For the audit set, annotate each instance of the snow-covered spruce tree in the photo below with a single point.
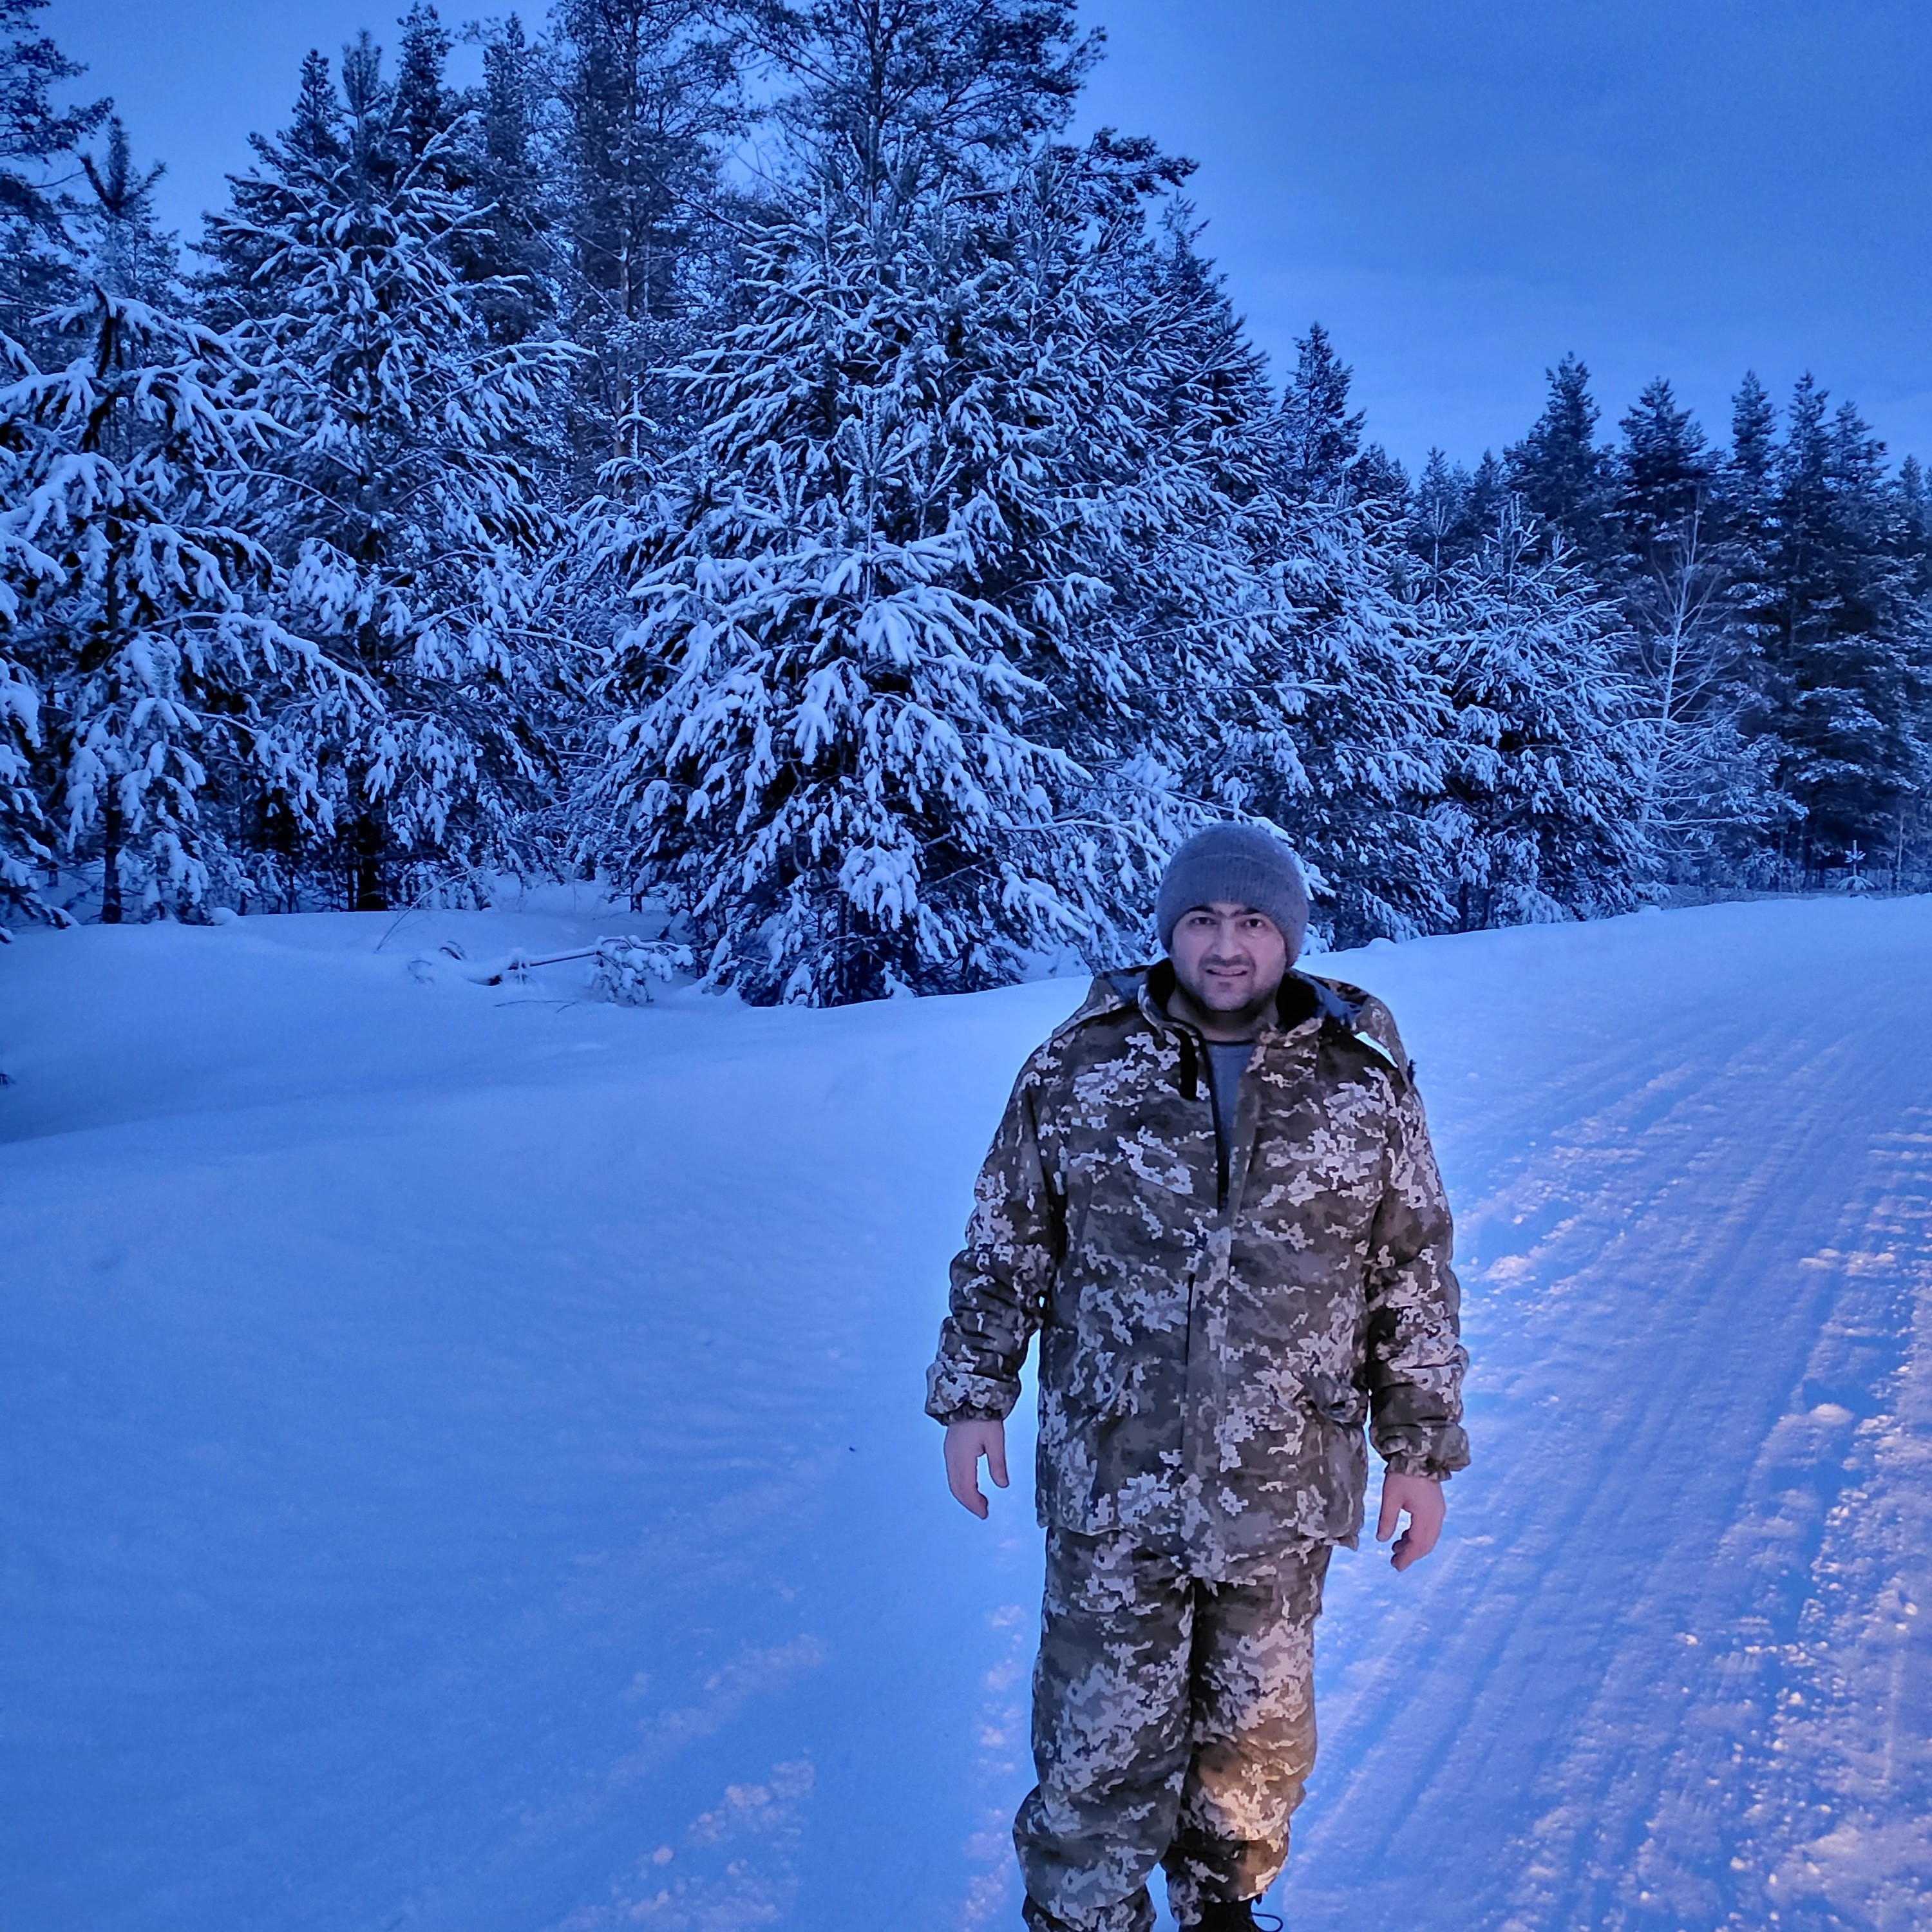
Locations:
(510, 245)
(180, 711)
(37, 270)
(829, 758)
(1321, 440)
(1846, 663)
(1337, 734)
(407, 502)
(120, 249)
(1544, 810)
(1124, 549)
(906, 94)
(1437, 509)
(1565, 480)
(944, 403)
(1222, 642)
(26, 837)
(38, 142)
(127, 252)
(1450, 510)
(1314, 704)
(647, 93)
(1663, 474)
(1708, 800)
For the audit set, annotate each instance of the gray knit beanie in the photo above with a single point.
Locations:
(1242, 864)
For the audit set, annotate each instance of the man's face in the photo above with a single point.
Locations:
(1230, 959)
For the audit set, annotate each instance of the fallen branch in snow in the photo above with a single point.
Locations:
(626, 966)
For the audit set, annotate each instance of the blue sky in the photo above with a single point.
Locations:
(1460, 190)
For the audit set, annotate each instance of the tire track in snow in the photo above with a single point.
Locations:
(1842, 1792)
(1561, 1727)
(1531, 1631)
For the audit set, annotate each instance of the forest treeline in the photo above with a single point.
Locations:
(752, 454)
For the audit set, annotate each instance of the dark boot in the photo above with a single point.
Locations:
(1238, 1916)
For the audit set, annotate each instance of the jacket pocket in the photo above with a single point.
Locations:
(1341, 1402)
(1073, 1406)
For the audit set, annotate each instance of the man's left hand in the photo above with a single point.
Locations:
(1419, 1498)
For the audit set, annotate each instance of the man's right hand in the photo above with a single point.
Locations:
(966, 1442)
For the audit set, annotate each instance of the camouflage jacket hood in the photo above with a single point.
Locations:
(1207, 1364)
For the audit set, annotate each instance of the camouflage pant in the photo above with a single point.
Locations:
(1174, 1723)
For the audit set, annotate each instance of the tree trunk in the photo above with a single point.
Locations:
(368, 888)
(110, 860)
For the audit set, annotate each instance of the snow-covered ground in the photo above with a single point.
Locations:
(464, 1469)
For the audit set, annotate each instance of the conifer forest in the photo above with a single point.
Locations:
(754, 455)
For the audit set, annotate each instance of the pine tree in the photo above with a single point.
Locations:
(422, 110)
(1544, 808)
(26, 839)
(1308, 697)
(1688, 551)
(38, 140)
(1303, 695)
(1743, 504)
(1322, 440)
(1489, 491)
(879, 571)
(1559, 473)
(1379, 478)
(127, 254)
(407, 501)
(649, 92)
(27, 846)
(1662, 473)
(1158, 474)
(1847, 696)
(1913, 503)
(509, 246)
(1450, 511)
(1037, 393)
(172, 687)
(1747, 472)
(34, 134)
(909, 93)
(315, 126)
(1436, 514)
(37, 271)
(1337, 734)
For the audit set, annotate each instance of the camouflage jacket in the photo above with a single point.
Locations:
(1207, 1365)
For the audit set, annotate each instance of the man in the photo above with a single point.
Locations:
(1213, 1194)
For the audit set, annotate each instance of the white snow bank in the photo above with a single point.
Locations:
(464, 1467)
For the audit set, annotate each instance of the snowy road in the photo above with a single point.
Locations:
(462, 1469)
